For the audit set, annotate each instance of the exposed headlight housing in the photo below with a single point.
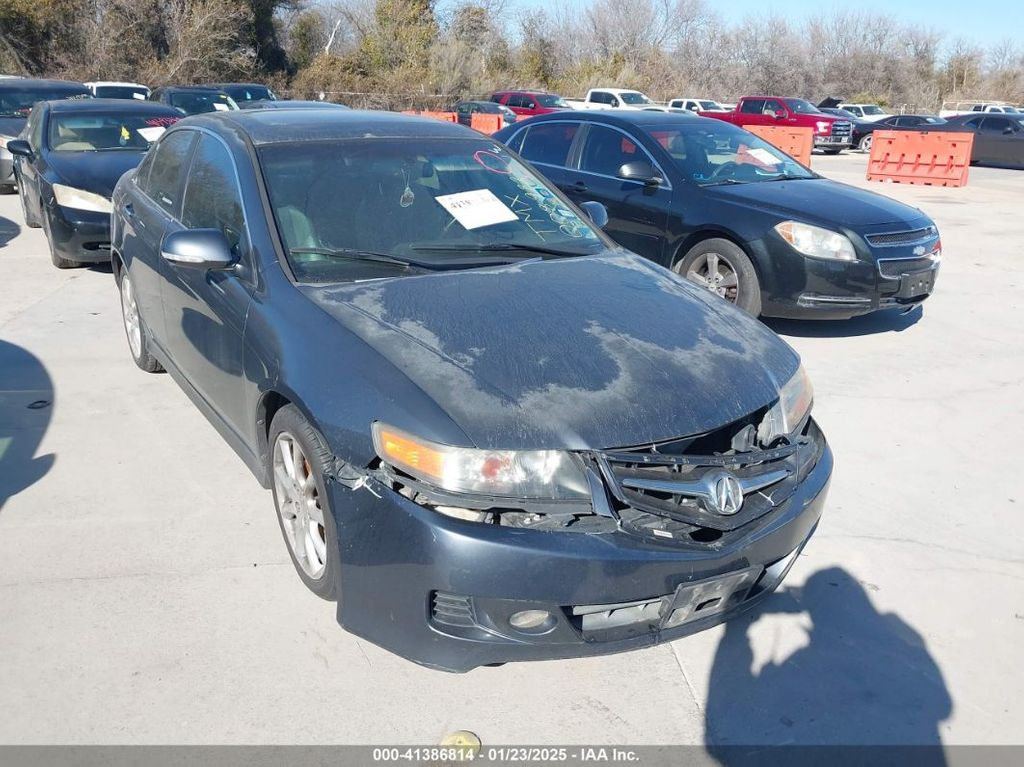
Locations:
(816, 242)
(788, 413)
(513, 474)
(79, 199)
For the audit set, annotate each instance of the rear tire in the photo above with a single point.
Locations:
(722, 267)
(832, 151)
(297, 460)
(8, 188)
(134, 327)
(55, 258)
(865, 143)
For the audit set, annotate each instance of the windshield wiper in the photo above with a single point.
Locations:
(789, 177)
(498, 247)
(724, 181)
(354, 254)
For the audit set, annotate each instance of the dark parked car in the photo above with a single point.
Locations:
(466, 109)
(362, 303)
(998, 138)
(17, 95)
(289, 104)
(734, 214)
(246, 92)
(194, 100)
(863, 129)
(70, 155)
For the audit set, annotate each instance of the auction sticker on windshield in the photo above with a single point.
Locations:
(476, 208)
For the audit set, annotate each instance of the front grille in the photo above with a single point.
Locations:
(843, 129)
(894, 268)
(901, 238)
(452, 609)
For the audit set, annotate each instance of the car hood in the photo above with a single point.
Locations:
(588, 352)
(93, 171)
(819, 200)
(10, 127)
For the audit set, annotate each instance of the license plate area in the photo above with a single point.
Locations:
(703, 599)
(918, 284)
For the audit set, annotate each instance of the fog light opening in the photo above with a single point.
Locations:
(532, 621)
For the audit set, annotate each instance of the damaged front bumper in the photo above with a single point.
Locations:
(442, 591)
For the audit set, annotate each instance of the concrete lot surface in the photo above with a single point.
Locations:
(146, 595)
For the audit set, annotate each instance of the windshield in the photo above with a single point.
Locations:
(712, 155)
(17, 102)
(106, 132)
(250, 93)
(871, 109)
(548, 100)
(801, 106)
(121, 92)
(633, 98)
(350, 209)
(193, 103)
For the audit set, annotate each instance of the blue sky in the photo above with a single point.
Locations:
(985, 22)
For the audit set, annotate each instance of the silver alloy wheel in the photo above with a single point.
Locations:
(865, 143)
(298, 504)
(130, 312)
(716, 273)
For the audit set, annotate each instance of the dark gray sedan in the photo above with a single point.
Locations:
(490, 434)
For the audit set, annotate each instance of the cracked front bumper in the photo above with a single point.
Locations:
(440, 591)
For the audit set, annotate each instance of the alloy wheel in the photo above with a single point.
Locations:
(130, 312)
(298, 504)
(716, 273)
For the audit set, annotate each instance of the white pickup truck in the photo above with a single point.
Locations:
(611, 98)
(953, 108)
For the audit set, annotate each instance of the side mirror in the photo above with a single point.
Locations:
(198, 249)
(780, 114)
(1007, 131)
(640, 170)
(597, 213)
(20, 148)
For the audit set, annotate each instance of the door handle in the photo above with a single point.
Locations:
(579, 186)
(129, 210)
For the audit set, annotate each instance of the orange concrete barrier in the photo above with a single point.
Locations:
(450, 117)
(485, 123)
(796, 142)
(934, 158)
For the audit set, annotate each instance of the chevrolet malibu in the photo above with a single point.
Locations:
(490, 434)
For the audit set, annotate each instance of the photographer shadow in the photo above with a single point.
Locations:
(863, 678)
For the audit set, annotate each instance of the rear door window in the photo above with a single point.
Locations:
(752, 106)
(549, 143)
(170, 161)
(995, 125)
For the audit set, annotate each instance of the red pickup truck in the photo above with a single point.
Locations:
(831, 134)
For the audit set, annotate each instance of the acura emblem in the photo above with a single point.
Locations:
(724, 494)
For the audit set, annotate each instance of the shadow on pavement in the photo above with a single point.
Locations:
(863, 678)
(8, 231)
(891, 321)
(26, 404)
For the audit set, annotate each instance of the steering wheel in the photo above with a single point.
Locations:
(721, 169)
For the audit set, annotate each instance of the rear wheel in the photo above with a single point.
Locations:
(832, 151)
(134, 327)
(8, 188)
(865, 143)
(723, 268)
(298, 456)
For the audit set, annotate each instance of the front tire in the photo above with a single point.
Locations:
(298, 458)
(832, 151)
(865, 143)
(722, 267)
(55, 258)
(134, 327)
(30, 222)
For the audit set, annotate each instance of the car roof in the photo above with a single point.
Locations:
(118, 83)
(192, 88)
(31, 82)
(622, 118)
(274, 126)
(124, 106)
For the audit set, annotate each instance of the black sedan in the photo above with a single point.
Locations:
(734, 214)
(998, 138)
(17, 95)
(69, 157)
(246, 93)
(194, 99)
(465, 110)
(362, 303)
(863, 130)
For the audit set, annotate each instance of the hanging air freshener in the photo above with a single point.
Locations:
(407, 198)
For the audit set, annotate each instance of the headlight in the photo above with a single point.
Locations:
(816, 242)
(794, 403)
(527, 474)
(823, 126)
(69, 197)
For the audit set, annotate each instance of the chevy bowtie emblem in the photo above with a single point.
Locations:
(919, 250)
